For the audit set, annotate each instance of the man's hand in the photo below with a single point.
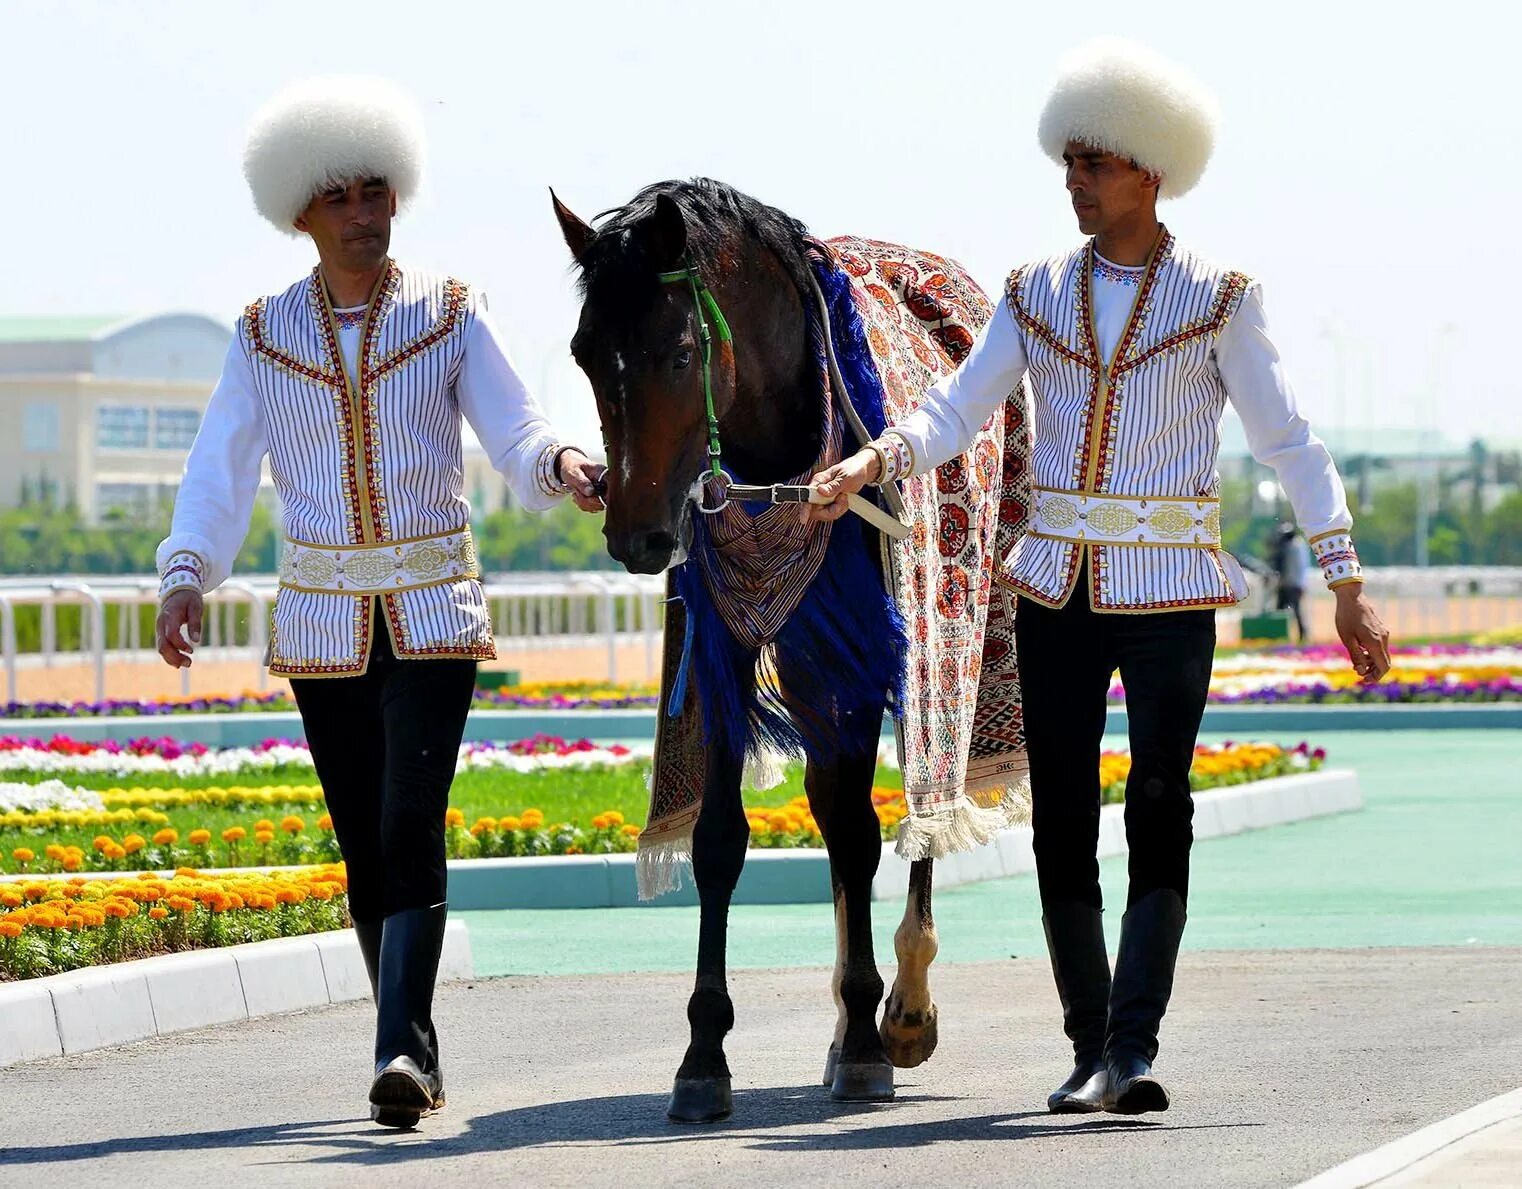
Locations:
(835, 483)
(1363, 633)
(583, 478)
(178, 629)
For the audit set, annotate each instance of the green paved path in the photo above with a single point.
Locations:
(1433, 860)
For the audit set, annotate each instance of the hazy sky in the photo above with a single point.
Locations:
(1368, 171)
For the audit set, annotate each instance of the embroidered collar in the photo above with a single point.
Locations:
(1118, 274)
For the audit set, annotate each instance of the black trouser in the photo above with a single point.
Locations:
(385, 745)
(1067, 657)
(1289, 600)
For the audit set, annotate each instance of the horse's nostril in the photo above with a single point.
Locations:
(657, 544)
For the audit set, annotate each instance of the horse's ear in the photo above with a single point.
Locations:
(578, 234)
(666, 232)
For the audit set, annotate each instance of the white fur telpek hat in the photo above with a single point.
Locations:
(324, 131)
(1125, 99)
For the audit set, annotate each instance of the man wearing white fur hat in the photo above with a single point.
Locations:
(353, 382)
(1132, 346)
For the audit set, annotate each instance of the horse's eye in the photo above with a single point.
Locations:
(683, 359)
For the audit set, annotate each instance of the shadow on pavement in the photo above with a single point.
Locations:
(130, 1145)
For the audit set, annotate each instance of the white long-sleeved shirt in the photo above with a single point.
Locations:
(362, 452)
(1201, 339)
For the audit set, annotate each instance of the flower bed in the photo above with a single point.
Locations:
(498, 811)
(1321, 674)
(52, 925)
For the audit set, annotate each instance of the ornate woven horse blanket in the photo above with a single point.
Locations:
(843, 618)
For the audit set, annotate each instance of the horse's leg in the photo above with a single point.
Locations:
(832, 1058)
(702, 1092)
(840, 794)
(909, 1017)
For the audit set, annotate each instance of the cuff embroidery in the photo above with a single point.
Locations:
(544, 470)
(897, 457)
(1337, 558)
(182, 570)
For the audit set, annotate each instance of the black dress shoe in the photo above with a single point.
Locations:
(1083, 1092)
(402, 1093)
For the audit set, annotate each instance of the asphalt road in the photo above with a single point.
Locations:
(1282, 1063)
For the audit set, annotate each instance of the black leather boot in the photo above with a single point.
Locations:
(408, 1080)
(369, 934)
(1149, 939)
(1076, 941)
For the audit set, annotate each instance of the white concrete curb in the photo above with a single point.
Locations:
(109, 1005)
(1216, 813)
(1410, 1150)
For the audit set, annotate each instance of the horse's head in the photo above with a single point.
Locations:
(638, 343)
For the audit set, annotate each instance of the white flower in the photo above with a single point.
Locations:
(50, 794)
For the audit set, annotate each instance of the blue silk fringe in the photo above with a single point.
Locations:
(841, 655)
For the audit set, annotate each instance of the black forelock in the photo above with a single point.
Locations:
(714, 213)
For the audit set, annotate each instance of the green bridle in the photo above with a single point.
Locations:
(706, 307)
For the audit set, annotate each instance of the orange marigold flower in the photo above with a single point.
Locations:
(506, 824)
(601, 822)
(72, 862)
(325, 822)
(234, 834)
(166, 837)
(263, 823)
(10, 929)
(101, 842)
(22, 855)
(631, 830)
(10, 898)
(199, 837)
(454, 817)
(133, 843)
(614, 817)
(292, 824)
(158, 912)
(264, 837)
(180, 903)
(53, 851)
(533, 819)
(115, 851)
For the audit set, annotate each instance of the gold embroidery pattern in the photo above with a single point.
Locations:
(374, 569)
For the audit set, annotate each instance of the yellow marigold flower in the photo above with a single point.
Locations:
(454, 817)
(22, 855)
(234, 834)
(614, 817)
(166, 837)
(533, 818)
(631, 830)
(509, 823)
(158, 912)
(264, 837)
(325, 822)
(292, 824)
(199, 837)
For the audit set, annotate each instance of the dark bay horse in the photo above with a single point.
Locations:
(640, 343)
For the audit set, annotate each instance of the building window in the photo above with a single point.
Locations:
(39, 429)
(121, 427)
(132, 501)
(175, 429)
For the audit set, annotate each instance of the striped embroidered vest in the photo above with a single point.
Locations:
(1124, 465)
(370, 475)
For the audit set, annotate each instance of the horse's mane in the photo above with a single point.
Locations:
(714, 213)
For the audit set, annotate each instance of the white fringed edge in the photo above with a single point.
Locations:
(764, 771)
(658, 868)
(966, 825)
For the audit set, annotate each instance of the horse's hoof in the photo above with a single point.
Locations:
(831, 1061)
(910, 1038)
(862, 1083)
(700, 1100)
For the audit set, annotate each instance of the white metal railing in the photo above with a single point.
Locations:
(596, 609)
(529, 611)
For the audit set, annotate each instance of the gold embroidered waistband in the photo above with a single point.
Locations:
(378, 569)
(1102, 517)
